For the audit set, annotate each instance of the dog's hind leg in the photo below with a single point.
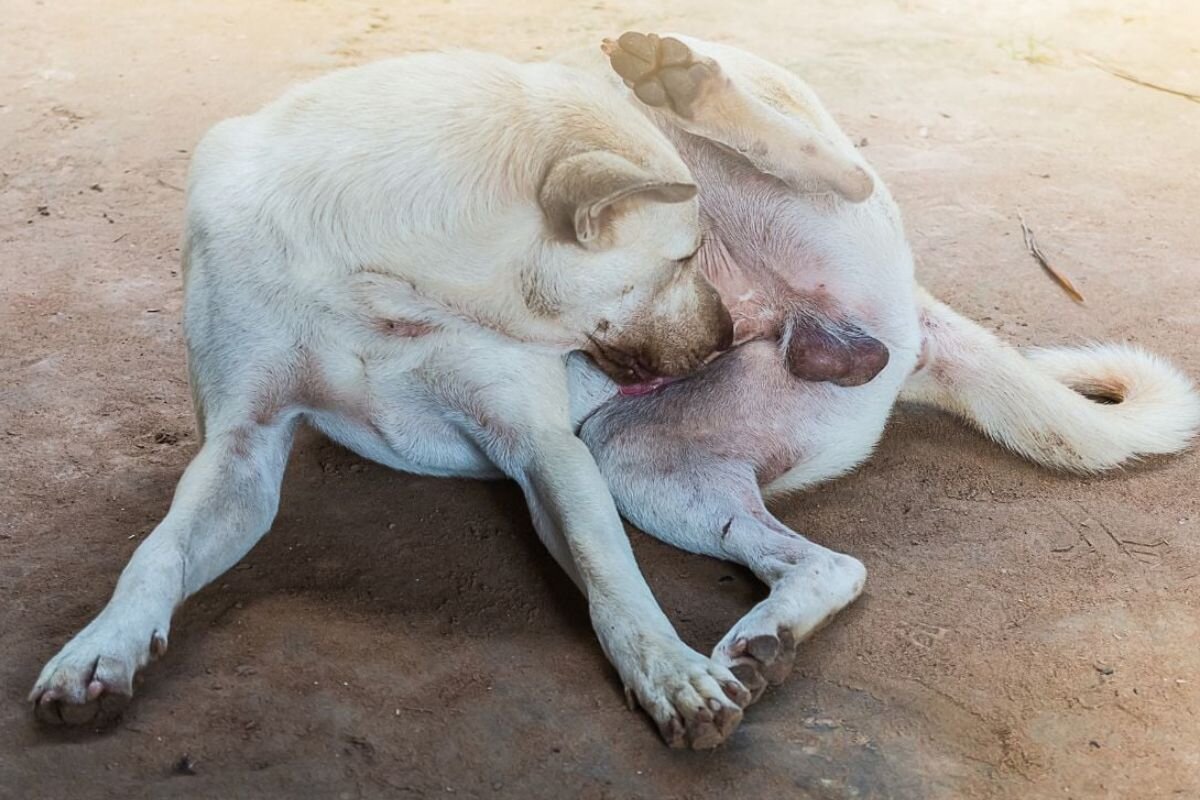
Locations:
(699, 502)
(690, 87)
(809, 584)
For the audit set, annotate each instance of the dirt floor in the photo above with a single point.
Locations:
(1023, 635)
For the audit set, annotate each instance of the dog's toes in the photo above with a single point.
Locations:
(780, 666)
(652, 93)
(672, 731)
(90, 681)
(773, 655)
(672, 52)
(762, 660)
(725, 719)
(101, 707)
(631, 68)
(737, 692)
(751, 677)
(662, 71)
(640, 45)
(679, 86)
(702, 734)
(764, 648)
(695, 702)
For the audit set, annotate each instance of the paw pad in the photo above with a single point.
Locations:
(662, 71)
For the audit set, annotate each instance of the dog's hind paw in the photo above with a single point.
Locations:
(662, 71)
(760, 649)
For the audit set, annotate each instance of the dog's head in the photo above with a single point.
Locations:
(616, 271)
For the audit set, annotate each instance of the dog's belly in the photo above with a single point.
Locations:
(418, 444)
(746, 407)
(853, 261)
(372, 401)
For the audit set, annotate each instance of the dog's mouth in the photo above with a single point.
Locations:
(630, 373)
(646, 387)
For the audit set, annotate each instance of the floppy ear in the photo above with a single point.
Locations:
(581, 193)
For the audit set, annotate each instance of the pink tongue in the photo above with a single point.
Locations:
(646, 387)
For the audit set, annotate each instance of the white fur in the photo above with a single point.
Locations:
(686, 470)
(1034, 402)
(376, 254)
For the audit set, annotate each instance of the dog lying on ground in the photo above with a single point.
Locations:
(411, 286)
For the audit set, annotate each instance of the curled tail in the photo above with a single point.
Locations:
(1083, 409)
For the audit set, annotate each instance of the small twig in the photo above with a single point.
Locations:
(1128, 76)
(1150, 545)
(161, 182)
(1032, 246)
(1118, 541)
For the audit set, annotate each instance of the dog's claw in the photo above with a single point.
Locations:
(672, 732)
(751, 677)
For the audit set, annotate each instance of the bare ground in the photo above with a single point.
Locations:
(1023, 635)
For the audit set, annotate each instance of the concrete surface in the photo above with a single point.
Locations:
(1023, 635)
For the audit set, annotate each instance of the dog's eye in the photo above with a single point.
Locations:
(687, 259)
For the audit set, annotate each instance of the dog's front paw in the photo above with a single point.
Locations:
(695, 702)
(90, 681)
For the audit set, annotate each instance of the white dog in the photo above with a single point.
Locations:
(403, 254)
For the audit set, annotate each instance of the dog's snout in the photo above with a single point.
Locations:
(675, 334)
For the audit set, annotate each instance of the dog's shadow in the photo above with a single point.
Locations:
(447, 553)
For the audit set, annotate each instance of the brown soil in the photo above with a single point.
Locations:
(1023, 635)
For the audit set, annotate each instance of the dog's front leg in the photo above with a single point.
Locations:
(224, 503)
(524, 428)
(695, 701)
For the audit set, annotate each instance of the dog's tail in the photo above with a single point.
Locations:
(1083, 409)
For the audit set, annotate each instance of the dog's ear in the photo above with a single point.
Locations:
(584, 193)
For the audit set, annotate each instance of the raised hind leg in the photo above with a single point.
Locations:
(693, 91)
